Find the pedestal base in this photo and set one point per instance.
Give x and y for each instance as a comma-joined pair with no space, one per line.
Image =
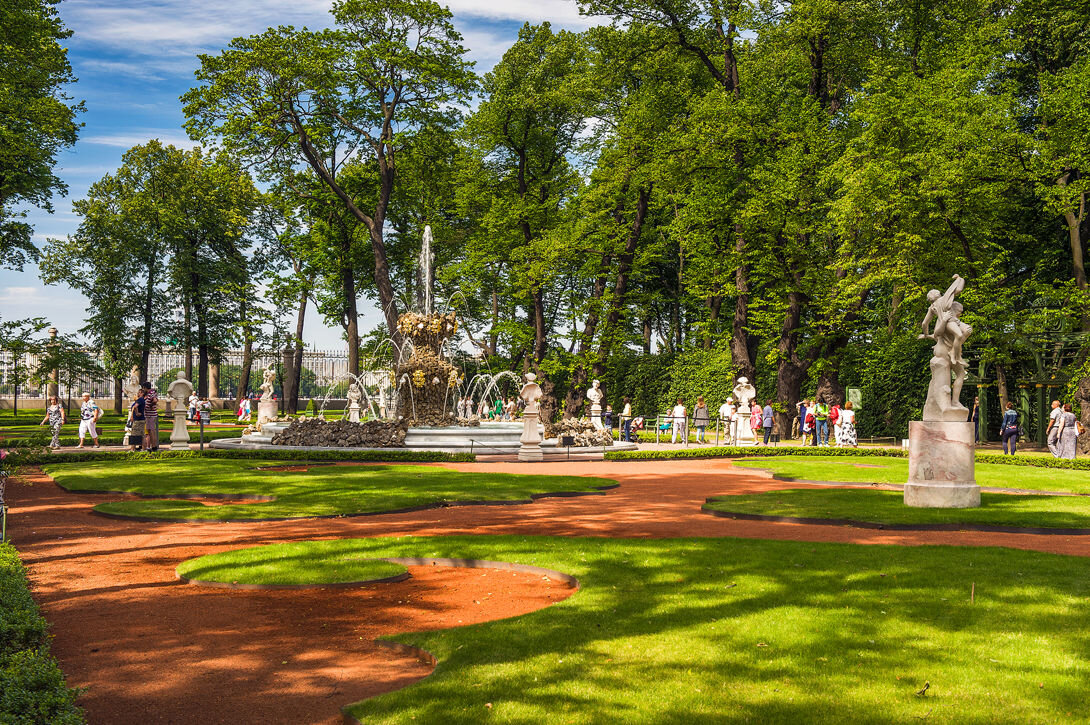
266,411
179,434
941,465
596,416
353,413
530,450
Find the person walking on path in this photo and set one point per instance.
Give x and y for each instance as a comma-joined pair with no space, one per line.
89,413
846,435
821,415
802,420
1008,430
244,411
700,418
151,417
678,418
974,417
1053,430
626,420
768,417
1068,434
136,421
54,415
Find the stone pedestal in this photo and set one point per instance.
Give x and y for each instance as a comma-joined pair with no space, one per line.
266,411
743,434
596,415
353,413
530,439
941,465
179,434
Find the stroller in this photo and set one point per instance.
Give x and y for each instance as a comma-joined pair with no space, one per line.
637,425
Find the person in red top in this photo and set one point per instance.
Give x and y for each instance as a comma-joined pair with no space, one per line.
151,417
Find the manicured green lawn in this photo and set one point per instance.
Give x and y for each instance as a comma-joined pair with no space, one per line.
850,469
284,564
887,507
319,491
728,630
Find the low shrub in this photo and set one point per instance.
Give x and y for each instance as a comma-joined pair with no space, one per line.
755,451
1077,464
32,686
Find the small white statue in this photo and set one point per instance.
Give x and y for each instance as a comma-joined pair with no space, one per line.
180,390
744,392
354,403
530,394
594,393
269,384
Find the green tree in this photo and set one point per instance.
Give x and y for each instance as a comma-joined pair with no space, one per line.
286,98
19,339
37,118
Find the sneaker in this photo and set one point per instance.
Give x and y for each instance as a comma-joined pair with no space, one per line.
97,446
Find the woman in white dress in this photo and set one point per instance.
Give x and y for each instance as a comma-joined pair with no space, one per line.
846,435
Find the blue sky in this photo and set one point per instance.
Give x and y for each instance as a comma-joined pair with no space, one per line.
134,59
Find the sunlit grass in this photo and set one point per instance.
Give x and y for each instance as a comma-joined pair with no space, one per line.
284,564
849,469
318,491
887,507
726,630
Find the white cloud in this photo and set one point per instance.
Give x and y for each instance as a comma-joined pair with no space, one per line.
134,137
562,13
23,295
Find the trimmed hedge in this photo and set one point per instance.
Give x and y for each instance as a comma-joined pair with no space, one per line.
763,452
393,455
32,686
751,452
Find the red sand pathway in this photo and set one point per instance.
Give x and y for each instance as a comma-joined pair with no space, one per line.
149,649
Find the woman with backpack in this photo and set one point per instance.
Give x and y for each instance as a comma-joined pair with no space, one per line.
700,418
1008,430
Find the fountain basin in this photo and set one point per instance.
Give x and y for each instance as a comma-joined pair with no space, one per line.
487,439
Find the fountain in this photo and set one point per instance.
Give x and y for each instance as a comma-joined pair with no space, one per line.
414,405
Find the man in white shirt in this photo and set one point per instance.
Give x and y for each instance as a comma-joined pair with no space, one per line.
726,414
1053,429
678,417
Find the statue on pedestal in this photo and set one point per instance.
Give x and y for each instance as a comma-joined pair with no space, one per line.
594,395
531,437
268,384
179,391
949,335
744,393
353,409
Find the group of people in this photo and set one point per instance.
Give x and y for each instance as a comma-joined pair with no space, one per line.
508,408
1063,431
815,419
142,423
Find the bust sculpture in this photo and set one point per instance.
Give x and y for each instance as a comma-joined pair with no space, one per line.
530,393
594,393
132,383
180,389
744,392
268,384
950,333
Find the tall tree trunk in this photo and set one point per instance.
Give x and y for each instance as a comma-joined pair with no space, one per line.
540,344
352,320
1001,385
740,354
145,334
117,396
791,371
573,401
297,368
647,335
493,336
288,361
188,343
244,370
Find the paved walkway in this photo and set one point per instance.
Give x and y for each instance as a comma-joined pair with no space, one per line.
152,650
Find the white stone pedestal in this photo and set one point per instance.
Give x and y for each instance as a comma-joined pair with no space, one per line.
941,465
531,439
353,413
266,411
596,415
179,434
743,434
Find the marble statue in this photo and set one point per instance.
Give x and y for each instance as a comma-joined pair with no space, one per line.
942,446
594,395
949,334
132,383
179,391
530,450
744,392
353,403
531,393
740,431
268,384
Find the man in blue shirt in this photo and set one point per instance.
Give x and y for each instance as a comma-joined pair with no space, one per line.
767,418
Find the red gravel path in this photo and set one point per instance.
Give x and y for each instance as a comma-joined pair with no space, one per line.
152,650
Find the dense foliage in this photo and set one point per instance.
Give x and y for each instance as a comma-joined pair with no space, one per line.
32,687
